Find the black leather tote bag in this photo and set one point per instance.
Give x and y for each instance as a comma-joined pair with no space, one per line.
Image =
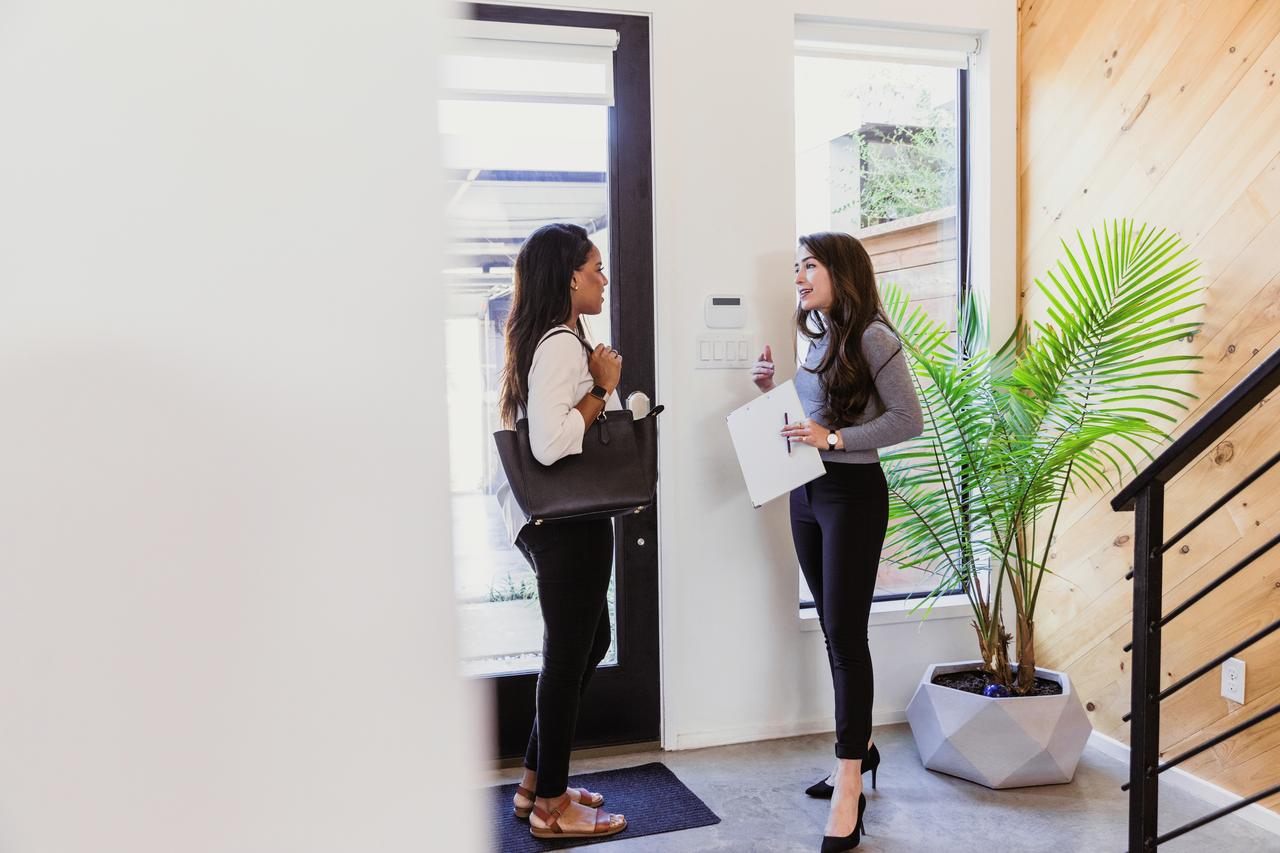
616,473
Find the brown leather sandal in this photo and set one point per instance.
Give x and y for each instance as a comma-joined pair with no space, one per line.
603,826
578,795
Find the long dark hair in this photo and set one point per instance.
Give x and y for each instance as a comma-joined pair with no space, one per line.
541,300
847,379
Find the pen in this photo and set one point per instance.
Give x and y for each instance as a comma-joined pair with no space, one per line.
786,419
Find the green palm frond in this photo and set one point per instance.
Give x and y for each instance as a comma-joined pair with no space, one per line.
1064,404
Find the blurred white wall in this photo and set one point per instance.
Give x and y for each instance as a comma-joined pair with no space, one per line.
224,621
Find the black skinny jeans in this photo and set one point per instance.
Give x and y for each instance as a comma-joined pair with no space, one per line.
573,562
838,522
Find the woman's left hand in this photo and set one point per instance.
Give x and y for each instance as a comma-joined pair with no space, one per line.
808,432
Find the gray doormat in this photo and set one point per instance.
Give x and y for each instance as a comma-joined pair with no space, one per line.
652,798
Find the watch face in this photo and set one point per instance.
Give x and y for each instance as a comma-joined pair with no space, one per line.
831,439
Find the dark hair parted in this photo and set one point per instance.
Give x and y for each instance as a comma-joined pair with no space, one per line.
540,301
847,378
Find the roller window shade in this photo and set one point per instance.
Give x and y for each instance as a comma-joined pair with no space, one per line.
886,44
500,61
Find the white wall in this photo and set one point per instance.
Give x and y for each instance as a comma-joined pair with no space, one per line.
737,663
223,625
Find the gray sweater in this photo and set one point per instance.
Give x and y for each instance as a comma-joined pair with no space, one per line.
892,414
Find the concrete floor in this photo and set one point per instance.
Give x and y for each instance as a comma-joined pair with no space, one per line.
757,789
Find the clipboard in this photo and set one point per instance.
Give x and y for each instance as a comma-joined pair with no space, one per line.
769,470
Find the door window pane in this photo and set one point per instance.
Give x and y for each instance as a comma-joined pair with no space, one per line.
511,168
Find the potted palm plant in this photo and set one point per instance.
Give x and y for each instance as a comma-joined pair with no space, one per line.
1062,405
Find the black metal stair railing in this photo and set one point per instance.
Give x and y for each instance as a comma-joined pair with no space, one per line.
1145,497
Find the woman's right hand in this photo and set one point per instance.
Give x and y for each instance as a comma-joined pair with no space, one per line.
605,365
762,373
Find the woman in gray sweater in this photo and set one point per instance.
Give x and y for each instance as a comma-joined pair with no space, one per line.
858,396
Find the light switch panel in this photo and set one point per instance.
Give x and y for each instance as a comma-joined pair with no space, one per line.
726,351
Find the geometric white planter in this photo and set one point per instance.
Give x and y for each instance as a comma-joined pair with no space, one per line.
1001,743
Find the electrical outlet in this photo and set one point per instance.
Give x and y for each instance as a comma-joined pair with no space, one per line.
1233,680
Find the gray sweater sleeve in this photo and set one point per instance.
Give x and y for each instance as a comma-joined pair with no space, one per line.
901,418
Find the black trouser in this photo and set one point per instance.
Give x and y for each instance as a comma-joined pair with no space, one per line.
838,522
573,562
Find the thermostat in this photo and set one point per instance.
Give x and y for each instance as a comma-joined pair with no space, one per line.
725,312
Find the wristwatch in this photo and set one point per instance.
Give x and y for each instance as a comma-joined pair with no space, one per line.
832,438
599,393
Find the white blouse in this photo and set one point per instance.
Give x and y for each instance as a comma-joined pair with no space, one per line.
558,380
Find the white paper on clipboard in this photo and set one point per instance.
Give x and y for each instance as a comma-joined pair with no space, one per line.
762,453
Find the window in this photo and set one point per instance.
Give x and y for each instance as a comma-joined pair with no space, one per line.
525,139
881,153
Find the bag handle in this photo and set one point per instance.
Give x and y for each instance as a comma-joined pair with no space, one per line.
561,330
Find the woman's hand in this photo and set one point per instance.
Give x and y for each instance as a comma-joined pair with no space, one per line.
605,365
762,373
812,433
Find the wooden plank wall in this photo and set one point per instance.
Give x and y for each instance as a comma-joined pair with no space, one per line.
1168,111
918,253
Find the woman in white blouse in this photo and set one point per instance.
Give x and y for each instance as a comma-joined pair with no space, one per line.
561,384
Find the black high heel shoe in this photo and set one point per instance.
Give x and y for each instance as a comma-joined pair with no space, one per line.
820,790
836,844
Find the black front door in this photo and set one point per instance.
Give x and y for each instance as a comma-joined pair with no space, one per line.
519,156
